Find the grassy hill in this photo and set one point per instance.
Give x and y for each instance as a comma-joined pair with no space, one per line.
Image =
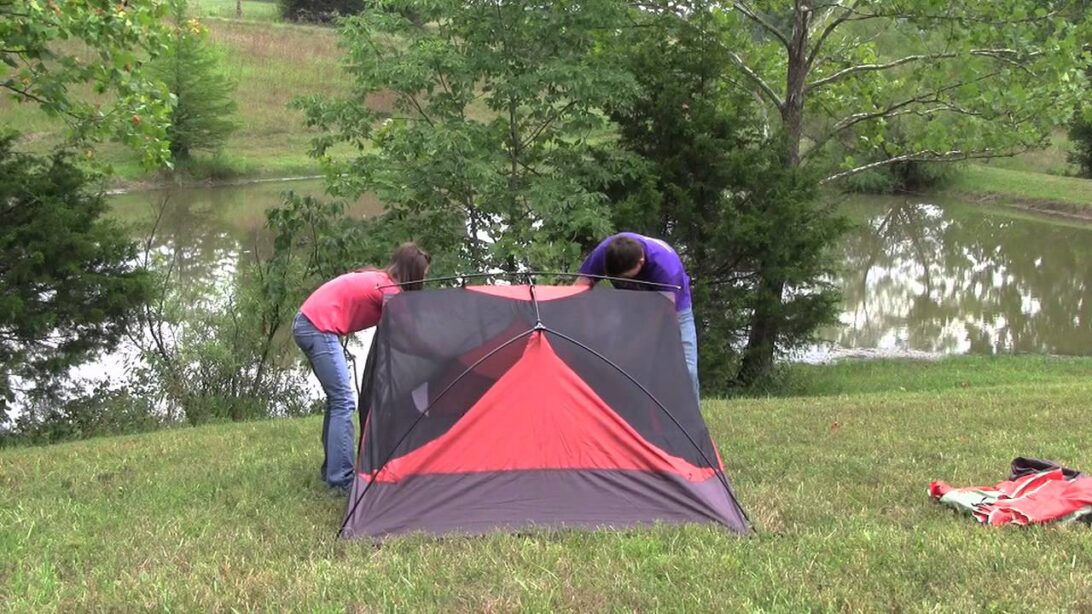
272,63
233,516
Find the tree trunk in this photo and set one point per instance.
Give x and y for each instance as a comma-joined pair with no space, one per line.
765,323
766,320
238,8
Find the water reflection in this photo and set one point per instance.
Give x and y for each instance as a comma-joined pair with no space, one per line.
204,233
956,279
918,279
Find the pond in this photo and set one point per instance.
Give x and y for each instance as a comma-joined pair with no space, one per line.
918,279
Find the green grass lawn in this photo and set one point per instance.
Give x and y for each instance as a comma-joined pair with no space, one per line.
1006,186
1051,160
233,517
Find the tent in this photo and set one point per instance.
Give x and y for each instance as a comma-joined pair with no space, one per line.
504,408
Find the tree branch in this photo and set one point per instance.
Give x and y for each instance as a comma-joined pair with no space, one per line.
753,76
831,27
924,155
751,14
998,54
555,114
900,108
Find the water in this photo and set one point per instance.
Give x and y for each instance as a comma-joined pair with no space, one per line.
919,279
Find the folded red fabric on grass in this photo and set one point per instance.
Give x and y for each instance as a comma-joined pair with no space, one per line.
1053,495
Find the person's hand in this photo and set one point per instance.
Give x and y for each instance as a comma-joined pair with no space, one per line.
584,281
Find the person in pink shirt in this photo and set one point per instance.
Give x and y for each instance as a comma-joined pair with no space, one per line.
342,306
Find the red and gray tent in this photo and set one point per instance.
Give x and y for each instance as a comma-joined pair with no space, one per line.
512,407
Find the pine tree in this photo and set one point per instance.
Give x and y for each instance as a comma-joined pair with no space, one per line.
68,285
192,69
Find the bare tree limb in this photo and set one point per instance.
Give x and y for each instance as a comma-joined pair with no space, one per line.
757,80
847,12
924,155
753,15
999,54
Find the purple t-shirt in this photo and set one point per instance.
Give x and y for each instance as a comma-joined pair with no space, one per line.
662,266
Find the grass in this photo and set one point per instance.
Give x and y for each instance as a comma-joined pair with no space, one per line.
233,517
1014,187
272,62
1051,160
253,10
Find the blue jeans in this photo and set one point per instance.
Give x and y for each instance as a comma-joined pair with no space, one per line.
690,346
324,352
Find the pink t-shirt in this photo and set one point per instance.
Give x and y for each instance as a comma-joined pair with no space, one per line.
348,303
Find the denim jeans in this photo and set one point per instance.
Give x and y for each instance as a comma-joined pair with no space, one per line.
690,346
324,352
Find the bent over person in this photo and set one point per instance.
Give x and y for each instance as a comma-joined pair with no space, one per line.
342,306
640,258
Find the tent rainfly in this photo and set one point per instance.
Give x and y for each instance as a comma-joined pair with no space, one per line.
507,408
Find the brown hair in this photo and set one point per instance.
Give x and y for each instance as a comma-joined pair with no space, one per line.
408,266
623,253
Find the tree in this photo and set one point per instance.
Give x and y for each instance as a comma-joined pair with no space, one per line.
958,80
1080,133
201,117
67,280
48,50
1080,127
485,156
715,188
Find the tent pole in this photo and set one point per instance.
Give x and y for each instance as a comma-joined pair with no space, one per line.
716,468
401,440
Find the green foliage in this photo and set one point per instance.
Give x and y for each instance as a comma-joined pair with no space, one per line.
1080,128
68,283
715,187
485,156
912,80
48,49
215,351
1080,133
909,176
81,414
192,69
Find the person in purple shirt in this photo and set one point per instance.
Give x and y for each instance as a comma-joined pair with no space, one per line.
641,258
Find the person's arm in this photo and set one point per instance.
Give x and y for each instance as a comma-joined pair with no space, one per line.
594,264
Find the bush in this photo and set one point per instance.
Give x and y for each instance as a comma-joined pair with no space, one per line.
211,354
1080,133
912,176
319,11
103,411
329,11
